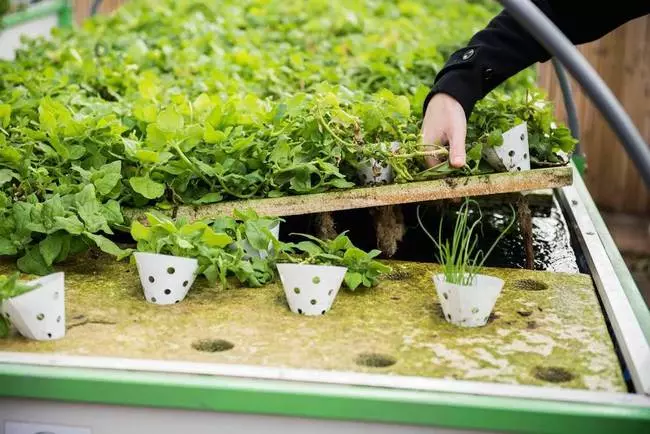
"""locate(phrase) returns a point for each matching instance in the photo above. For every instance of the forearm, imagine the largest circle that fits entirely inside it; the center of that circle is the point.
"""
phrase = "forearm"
(504, 48)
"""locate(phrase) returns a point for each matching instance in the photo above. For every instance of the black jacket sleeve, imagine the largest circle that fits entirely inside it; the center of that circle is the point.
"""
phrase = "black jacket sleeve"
(504, 48)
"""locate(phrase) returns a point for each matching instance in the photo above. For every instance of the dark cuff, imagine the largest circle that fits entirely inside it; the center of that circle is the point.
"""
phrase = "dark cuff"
(462, 79)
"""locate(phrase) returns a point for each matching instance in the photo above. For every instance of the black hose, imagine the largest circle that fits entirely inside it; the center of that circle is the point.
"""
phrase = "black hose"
(95, 7)
(556, 43)
(569, 102)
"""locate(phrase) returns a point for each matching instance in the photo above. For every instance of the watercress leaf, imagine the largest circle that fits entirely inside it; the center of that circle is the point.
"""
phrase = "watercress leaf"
(212, 197)
(309, 247)
(50, 247)
(353, 279)
(147, 187)
(7, 247)
(107, 177)
(106, 245)
(140, 232)
(170, 121)
(7, 175)
(5, 115)
(257, 234)
(70, 224)
(215, 239)
(147, 156)
(33, 263)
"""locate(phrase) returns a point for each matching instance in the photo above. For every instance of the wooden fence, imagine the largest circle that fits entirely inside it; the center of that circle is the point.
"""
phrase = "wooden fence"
(622, 58)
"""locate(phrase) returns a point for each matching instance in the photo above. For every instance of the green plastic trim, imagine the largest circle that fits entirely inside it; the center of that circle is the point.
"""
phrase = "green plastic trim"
(61, 8)
(319, 401)
(623, 274)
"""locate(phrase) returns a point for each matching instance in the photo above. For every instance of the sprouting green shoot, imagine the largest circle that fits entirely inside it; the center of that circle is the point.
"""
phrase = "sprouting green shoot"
(459, 257)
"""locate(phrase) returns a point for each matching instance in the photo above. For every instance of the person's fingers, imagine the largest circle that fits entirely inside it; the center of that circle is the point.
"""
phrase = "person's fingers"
(457, 145)
(434, 142)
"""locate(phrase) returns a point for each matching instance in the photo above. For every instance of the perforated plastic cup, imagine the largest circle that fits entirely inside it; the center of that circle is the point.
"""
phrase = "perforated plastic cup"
(374, 172)
(165, 278)
(40, 313)
(468, 306)
(311, 289)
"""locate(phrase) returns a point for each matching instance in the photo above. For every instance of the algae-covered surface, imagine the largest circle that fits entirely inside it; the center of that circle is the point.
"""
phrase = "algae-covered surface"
(546, 328)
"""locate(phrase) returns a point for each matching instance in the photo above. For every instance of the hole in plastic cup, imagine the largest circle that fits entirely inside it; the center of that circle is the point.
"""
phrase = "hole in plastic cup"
(296, 290)
(444, 294)
(49, 335)
(58, 318)
(40, 317)
(300, 311)
(212, 345)
(171, 270)
(151, 279)
(316, 280)
(375, 360)
(56, 295)
(525, 156)
(153, 299)
(330, 292)
(313, 301)
(185, 283)
(511, 153)
(323, 312)
(168, 291)
(177, 301)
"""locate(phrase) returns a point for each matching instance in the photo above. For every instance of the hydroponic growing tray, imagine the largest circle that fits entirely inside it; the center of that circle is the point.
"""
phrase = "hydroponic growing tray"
(547, 328)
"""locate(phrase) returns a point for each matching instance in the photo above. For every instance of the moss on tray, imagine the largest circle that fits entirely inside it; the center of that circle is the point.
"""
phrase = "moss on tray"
(546, 329)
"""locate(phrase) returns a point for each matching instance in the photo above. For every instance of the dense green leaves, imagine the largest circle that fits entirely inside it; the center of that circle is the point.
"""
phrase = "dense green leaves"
(362, 268)
(196, 102)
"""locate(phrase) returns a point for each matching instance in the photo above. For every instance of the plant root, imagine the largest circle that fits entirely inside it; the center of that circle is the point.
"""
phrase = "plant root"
(325, 226)
(526, 225)
(389, 227)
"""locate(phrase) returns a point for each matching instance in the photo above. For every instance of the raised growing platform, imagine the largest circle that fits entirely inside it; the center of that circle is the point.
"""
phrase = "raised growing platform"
(366, 197)
(547, 328)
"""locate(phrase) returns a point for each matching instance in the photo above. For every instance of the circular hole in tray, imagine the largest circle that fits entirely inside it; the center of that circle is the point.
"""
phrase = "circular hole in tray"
(530, 285)
(212, 345)
(552, 374)
(375, 360)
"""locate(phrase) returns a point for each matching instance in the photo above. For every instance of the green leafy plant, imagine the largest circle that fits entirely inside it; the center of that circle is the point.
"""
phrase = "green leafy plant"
(218, 256)
(11, 287)
(459, 257)
(199, 102)
(362, 268)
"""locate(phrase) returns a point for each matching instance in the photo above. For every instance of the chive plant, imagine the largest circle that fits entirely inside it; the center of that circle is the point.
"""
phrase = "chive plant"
(460, 259)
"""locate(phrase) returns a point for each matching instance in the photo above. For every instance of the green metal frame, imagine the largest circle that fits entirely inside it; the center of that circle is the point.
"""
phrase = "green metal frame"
(623, 274)
(380, 405)
(62, 8)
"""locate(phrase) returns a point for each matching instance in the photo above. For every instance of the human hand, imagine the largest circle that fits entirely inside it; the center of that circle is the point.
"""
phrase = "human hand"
(445, 124)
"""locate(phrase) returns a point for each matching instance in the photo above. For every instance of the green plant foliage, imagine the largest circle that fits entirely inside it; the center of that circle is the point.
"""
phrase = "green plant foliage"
(11, 287)
(196, 102)
(459, 258)
(362, 268)
(218, 255)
